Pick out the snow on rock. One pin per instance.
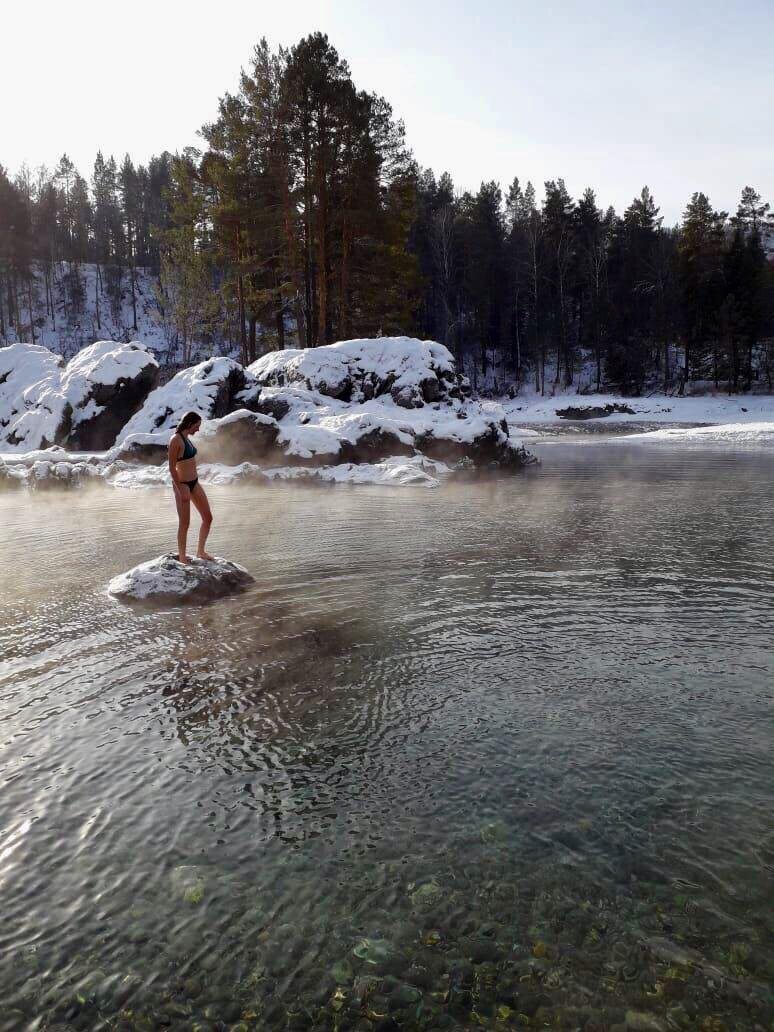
(83, 404)
(49, 470)
(357, 401)
(211, 388)
(165, 579)
(395, 398)
(411, 371)
(241, 436)
(22, 368)
(416, 471)
(104, 385)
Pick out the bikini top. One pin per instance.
(188, 450)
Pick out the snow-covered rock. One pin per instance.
(297, 424)
(211, 388)
(355, 403)
(83, 404)
(241, 436)
(165, 579)
(416, 471)
(411, 371)
(23, 425)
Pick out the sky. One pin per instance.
(612, 95)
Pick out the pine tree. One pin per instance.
(559, 228)
(130, 203)
(186, 299)
(701, 269)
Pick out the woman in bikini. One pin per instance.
(182, 466)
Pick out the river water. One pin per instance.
(496, 755)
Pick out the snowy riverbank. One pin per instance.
(531, 410)
(389, 411)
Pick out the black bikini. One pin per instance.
(188, 453)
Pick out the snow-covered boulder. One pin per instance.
(484, 441)
(212, 388)
(23, 367)
(82, 405)
(240, 437)
(411, 371)
(165, 579)
(147, 449)
(104, 385)
(353, 403)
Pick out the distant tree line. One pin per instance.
(306, 220)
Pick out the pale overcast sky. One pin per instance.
(611, 94)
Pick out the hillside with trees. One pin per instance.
(304, 219)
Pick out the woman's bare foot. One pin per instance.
(204, 555)
(185, 560)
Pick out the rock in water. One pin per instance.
(165, 579)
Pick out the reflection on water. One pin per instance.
(496, 755)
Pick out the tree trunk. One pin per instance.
(96, 295)
(2, 315)
(344, 283)
(322, 255)
(280, 317)
(29, 307)
(252, 352)
(309, 276)
(52, 284)
(303, 339)
(241, 301)
(715, 361)
(132, 279)
(517, 334)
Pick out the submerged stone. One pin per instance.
(427, 895)
(165, 579)
(373, 951)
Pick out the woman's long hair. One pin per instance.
(189, 419)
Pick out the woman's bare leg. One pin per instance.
(184, 521)
(200, 500)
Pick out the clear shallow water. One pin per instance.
(495, 755)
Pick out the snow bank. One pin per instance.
(530, 409)
(164, 579)
(728, 433)
(210, 388)
(84, 404)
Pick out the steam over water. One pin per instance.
(496, 754)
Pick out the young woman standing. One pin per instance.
(182, 467)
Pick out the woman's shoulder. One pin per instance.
(175, 437)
